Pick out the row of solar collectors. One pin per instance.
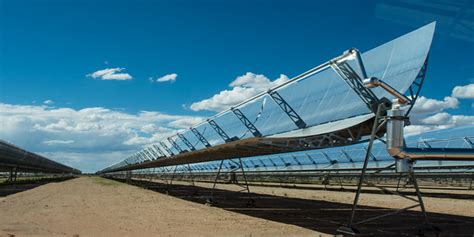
(317, 98)
(350, 157)
(15, 158)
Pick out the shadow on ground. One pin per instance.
(322, 216)
(23, 185)
(427, 191)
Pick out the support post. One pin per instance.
(349, 229)
(251, 202)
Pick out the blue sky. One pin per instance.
(48, 49)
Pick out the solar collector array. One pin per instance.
(318, 99)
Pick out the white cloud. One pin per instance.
(448, 119)
(169, 77)
(425, 105)
(185, 122)
(438, 121)
(58, 142)
(243, 87)
(48, 102)
(464, 92)
(429, 114)
(97, 130)
(110, 74)
(417, 129)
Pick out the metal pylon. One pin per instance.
(350, 227)
(245, 186)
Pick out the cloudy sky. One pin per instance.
(87, 83)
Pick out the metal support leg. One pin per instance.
(152, 174)
(398, 183)
(251, 201)
(210, 200)
(326, 178)
(10, 178)
(191, 174)
(470, 184)
(418, 193)
(172, 176)
(170, 182)
(349, 228)
(340, 181)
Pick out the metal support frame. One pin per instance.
(220, 131)
(347, 156)
(469, 142)
(150, 155)
(345, 71)
(167, 149)
(141, 157)
(287, 109)
(327, 180)
(172, 177)
(200, 137)
(311, 159)
(157, 148)
(417, 84)
(379, 122)
(239, 166)
(250, 126)
(186, 141)
(153, 152)
(176, 169)
(173, 143)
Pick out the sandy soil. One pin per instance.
(324, 211)
(98, 207)
(451, 206)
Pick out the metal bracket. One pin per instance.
(332, 162)
(348, 74)
(468, 141)
(186, 141)
(148, 154)
(167, 149)
(245, 186)
(287, 109)
(200, 137)
(348, 157)
(220, 131)
(296, 160)
(153, 152)
(311, 159)
(241, 116)
(173, 143)
(418, 83)
(142, 157)
(157, 148)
